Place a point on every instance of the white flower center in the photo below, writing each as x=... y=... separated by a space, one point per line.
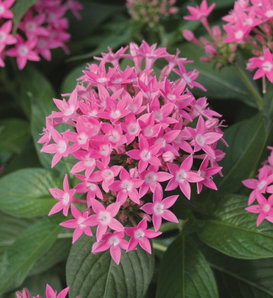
x=93 y=113
x=66 y=198
x=266 y=207
x=61 y=147
x=117 y=81
x=115 y=114
x=91 y=186
x=267 y=66
x=2 y=36
x=202 y=174
x=126 y=185
x=150 y=178
x=82 y=138
x=30 y=26
x=239 y=34
x=173 y=96
x=41 y=43
x=181 y=175
x=114 y=241
x=69 y=111
x=89 y=162
x=261 y=185
x=80 y=222
x=2 y=9
x=200 y=140
x=23 y=50
x=133 y=108
x=139 y=234
x=187 y=78
x=102 y=80
x=105 y=150
x=269 y=13
x=158 y=208
x=162 y=141
x=114 y=136
x=148 y=131
x=107 y=174
x=132 y=128
x=104 y=217
x=145 y=155
x=248 y=21
x=158 y=115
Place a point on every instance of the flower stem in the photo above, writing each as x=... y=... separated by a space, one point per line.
x=159 y=246
x=257 y=96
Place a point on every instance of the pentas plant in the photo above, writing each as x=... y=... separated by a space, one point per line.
x=262 y=191
x=216 y=49
x=251 y=24
x=50 y=293
x=132 y=133
x=43 y=28
x=152 y=11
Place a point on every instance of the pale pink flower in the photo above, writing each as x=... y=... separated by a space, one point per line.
x=159 y=208
x=50 y=293
x=65 y=198
x=5 y=12
x=140 y=235
x=114 y=242
x=104 y=218
x=78 y=223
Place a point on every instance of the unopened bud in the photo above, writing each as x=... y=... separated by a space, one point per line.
x=188 y=35
x=168 y=156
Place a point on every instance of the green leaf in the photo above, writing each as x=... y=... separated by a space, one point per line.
x=14 y=134
x=24 y=193
x=29 y=247
x=184 y=272
x=98 y=276
x=246 y=140
x=222 y=84
x=19 y=9
x=249 y=278
x=233 y=231
x=10 y=228
x=57 y=253
x=70 y=80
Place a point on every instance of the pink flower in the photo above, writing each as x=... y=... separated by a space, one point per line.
x=146 y=154
x=65 y=198
x=182 y=176
x=264 y=65
x=264 y=208
x=140 y=235
x=126 y=187
x=5 y=13
x=199 y=13
x=78 y=223
x=59 y=148
x=23 y=52
x=114 y=242
x=159 y=208
x=104 y=217
x=5 y=37
x=50 y=293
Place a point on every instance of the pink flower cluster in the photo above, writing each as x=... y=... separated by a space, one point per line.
x=50 y=293
x=43 y=28
x=216 y=49
x=252 y=24
x=132 y=132
x=262 y=191
x=151 y=11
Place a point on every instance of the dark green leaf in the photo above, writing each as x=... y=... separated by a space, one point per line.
x=58 y=252
x=10 y=228
x=29 y=247
x=233 y=231
x=246 y=140
x=222 y=84
x=14 y=134
x=98 y=276
x=184 y=272
x=241 y=278
x=24 y=193
x=19 y=9
x=70 y=80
